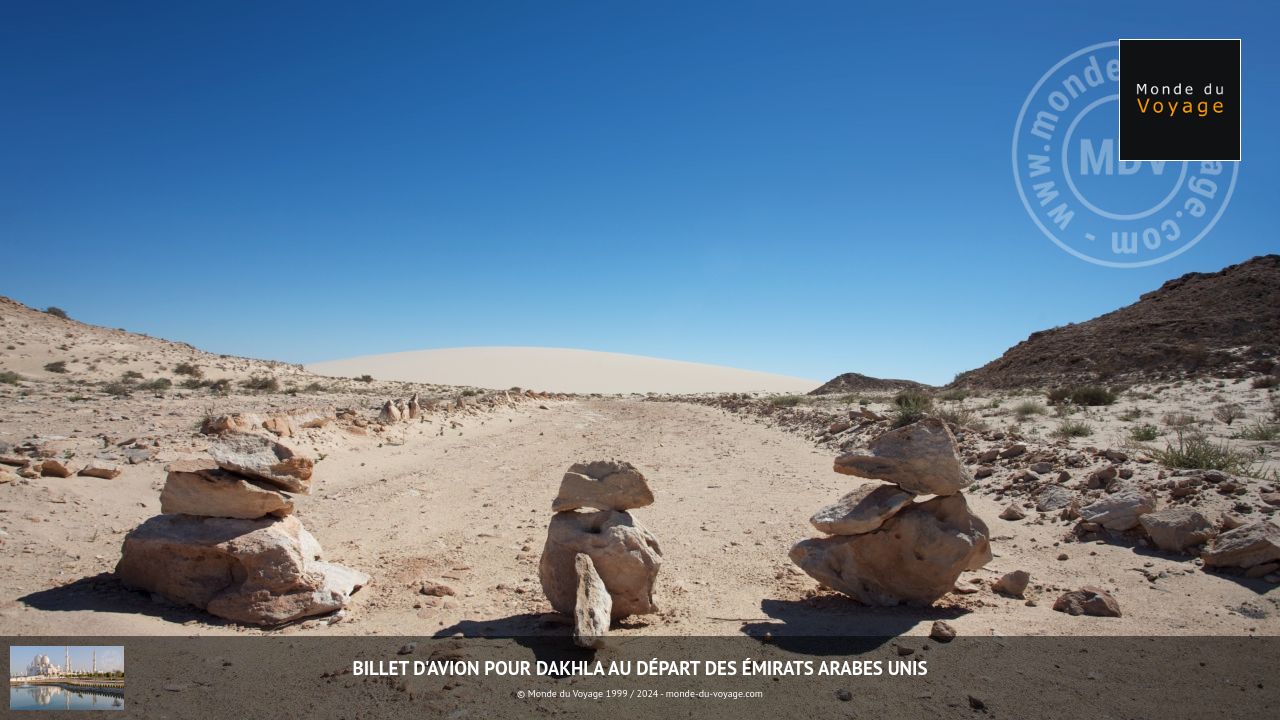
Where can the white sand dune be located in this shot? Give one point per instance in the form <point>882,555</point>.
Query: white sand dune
<point>559,370</point>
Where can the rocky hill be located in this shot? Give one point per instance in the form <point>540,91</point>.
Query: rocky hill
<point>1223,324</point>
<point>857,382</point>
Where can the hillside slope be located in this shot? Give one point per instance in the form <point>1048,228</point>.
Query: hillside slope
<point>1225,323</point>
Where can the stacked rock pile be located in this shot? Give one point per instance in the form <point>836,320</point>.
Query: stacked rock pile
<point>599,563</point>
<point>886,546</point>
<point>228,542</point>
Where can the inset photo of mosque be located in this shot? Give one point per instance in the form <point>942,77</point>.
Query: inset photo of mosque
<point>67,677</point>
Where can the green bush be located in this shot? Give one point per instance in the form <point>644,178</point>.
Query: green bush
<point>1057,396</point>
<point>261,383</point>
<point>1073,429</point>
<point>1194,451</point>
<point>9,377</point>
<point>1092,395</point>
<point>57,312</point>
<point>58,366</point>
<point>786,400</point>
<point>954,394</point>
<point>188,369</point>
<point>911,406</point>
<point>1027,408</point>
<point>1261,430</point>
<point>1145,432</point>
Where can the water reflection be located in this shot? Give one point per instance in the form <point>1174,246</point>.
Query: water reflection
<point>57,697</point>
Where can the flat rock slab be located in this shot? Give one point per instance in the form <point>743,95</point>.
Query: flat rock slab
<point>914,558</point>
<point>625,555</point>
<point>256,572</point>
<point>1257,543</point>
<point>861,511</point>
<point>602,485</point>
<point>1119,511</point>
<point>200,487</point>
<point>261,457</point>
<point>593,606</point>
<point>1178,528</point>
<point>103,470</point>
<point>919,458</point>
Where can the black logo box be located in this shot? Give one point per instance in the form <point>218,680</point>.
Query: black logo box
<point>1187,68</point>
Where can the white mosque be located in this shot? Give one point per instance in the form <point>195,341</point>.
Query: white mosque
<point>42,665</point>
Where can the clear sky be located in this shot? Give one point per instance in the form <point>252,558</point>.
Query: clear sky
<point>803,188</point>
<point>110,657</point>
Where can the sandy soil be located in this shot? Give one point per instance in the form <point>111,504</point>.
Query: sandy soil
<point>560,370</point>
<point>469,508</point>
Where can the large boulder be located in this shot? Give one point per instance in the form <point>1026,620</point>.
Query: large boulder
<point>603,485</point>
<point>1088,600</point>
<point>261,457</point>
<point>258,572</point>
<point>593,606</point>
<point>1119,511</point>
<point>200,487</point>
<point>862,510</point>
<point>1177,528</point>
<point>1257,543</point>
<point>915,557</point>
<point>625,555</point>
<point>919,458</point>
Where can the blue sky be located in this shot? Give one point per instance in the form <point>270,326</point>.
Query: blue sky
<point>110,657</point>
<point>802,188</point>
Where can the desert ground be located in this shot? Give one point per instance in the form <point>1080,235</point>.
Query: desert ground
<point>461,497</point>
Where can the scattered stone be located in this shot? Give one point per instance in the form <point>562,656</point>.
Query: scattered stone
<point>260,457</point>
<point>1013,512</point>
<point>1013,451</point>
<point>861,511</point>
<point>593,607</point>
<point>1041,467</point>
<point>1177,528</point>
<point>914,558</point>
<point>1013,583</point>
<point>100,469</point>
<point>1052,497</point>
<point>258,572</point>
<point>278,425</point>
<point>603,485</point>
<point>1244,547</point>
<point>942,631</point>
<point>53,467</point>
<point>919,458</point>
<point>625,555</point>
<point>200,487</point>
<point>1120,510</point>
<point>1088,600</point>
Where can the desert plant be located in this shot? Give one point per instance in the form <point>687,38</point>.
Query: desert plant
<point>780,401</point>
<point>188,369</point>
<point>261,383</point>
<point>1072,429</point>
<point>961,416</point>
<point>57,312</point>
<point>1260,430</point>
<point>1092,395</point>
<point>365,378</point>
<point>1228,413</point>
<point>315,387</point>
<point>911,406</point>
<point>158,385</point>
<point>221,386</point>
<point>1265,382</point>
<point>1195,451</point>
<point>116,388</point>
<point>1178,420</point>
<point>58,366</point>
<point>131,375</point>
<point>1145,432</point>
<point>954,394</point>
<point>1027,408</point>
<point>1058,396</point>
<point>1131,414</point>
<point>9,377</point>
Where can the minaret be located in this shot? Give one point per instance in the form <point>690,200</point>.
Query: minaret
<point>66,660</point>
<point>95,662</point>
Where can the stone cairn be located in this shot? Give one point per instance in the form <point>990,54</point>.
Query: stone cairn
<point>599,563</point>
<point>228,542</point>
<point>885,547</point>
